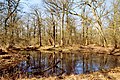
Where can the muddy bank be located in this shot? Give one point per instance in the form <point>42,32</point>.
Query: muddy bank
<point>82,49</point>
<point>71,49</point>
<point>9,59</point>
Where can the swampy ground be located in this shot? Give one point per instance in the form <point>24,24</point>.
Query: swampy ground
<point>9,59</point>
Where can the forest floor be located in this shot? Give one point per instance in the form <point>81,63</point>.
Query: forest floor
<point>9,59</point>
<point>82,49</point>
<point>111,74</point>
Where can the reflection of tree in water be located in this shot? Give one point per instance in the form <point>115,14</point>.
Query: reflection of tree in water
<point>24,67</point>
<point>44,64</point>
<point>114,61</point>
<point>102,62</point>
<point>69,62</point>
<point>85,63</point>
<point>28,66</point>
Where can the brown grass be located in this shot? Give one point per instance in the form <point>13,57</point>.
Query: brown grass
<point>112,74</point>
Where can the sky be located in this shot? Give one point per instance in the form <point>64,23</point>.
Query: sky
<point>31,2</point>
<point>28,3</point>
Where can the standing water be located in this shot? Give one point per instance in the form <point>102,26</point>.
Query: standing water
<point>55,64</point>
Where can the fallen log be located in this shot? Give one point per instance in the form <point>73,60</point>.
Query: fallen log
<point>2,52</point>
<point>6,57</point>
<point>29,48</point>
<point>52,66</point>
<point>115,51</point>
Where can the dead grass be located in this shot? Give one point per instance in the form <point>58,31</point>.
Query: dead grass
<point>10,60</point>
<point>112,74</point>
<point>79,48</point>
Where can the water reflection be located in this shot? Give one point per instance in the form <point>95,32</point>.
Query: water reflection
<point>52,64</point>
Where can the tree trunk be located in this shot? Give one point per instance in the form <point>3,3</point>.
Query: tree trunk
<point>100,29</point>
<point>62,30</point>
<point>54,34</point>
<point>53,23</point>
<point>40,36</point>
<point>83,34</point>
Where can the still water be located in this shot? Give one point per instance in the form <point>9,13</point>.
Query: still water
<point>55,64</point>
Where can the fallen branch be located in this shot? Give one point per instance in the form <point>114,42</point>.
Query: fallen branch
<point>51,67</point>
<point>63,71</point>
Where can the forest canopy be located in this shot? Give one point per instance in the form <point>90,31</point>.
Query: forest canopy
<point>60,22</point>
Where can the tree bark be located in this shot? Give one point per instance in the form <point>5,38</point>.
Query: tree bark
<point>62,27</point>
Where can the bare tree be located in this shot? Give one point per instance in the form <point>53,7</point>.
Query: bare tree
<point>39,22</point>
